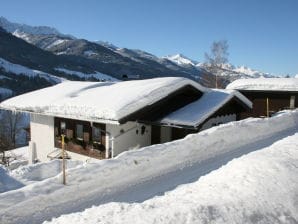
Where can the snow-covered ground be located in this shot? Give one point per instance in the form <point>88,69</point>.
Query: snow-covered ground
<point>138,175</point>
<point>260,187</point>
<point>12,178</point>
<point>18,157</point>
<point>22,70</point>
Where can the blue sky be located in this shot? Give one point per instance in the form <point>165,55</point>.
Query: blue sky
<point>262,34</point>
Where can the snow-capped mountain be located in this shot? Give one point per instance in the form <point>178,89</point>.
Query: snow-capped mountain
<point>42,36</point>
<point>225,70</point>
<point>120,62</point>
<point>181,60</point>
<point>246,72</point>
<point>36,30</point>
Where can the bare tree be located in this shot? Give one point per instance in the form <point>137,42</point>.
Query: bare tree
<point>5,145</point>
<point>10,127</point>
<point>217,57</point>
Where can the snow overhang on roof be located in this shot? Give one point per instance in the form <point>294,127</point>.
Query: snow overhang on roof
<point>265,84</point>
<point>105,101</point>
<point>194,114</point>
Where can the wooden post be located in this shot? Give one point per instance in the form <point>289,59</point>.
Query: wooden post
<point>267,106</point>
<point>216,81</point>
<point>63,160</point>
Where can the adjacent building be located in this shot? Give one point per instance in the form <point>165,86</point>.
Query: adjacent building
<point>268,95</point>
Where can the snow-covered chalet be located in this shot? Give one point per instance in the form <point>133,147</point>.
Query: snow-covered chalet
<point>103,119</point>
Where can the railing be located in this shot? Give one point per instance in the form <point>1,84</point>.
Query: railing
<point>86,149</point>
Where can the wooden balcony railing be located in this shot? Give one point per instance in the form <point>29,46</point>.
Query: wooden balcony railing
<point>90,149</point>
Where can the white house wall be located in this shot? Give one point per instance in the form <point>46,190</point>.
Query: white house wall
<point>218,120</point>
<point>127,136</point>
<point>42,137</point>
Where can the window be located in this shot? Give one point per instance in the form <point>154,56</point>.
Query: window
<point>96,134</point>
<point>79,131</point>
<point>81,137</point>
<point>63,127</point>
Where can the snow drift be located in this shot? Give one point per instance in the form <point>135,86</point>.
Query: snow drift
<point>261,187</point>
<point>38,201</point>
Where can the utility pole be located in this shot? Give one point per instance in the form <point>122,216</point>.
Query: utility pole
<point>216,87</point>
<point>267,106</point>
<point>63,159</point>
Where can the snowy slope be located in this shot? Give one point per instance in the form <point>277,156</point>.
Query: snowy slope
<point>42,41</point>
<point>22,70</point>
<point>141,174</point>
<point>98,76</point>
<point>22,35</point>
<point>260,187</point>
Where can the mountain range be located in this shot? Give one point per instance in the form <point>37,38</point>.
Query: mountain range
<point>47,50</point>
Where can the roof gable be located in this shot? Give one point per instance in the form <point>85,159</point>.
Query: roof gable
<point>196,113</point>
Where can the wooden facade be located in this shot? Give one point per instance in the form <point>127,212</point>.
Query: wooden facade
<point>277,101</point>
<point>81,137</point>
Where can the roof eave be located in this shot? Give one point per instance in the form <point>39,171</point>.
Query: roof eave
<point>93,119</point>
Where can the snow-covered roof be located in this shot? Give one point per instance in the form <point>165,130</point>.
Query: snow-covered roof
<point>98,100</point>
<point>265,84</point>
<point>197,112</point>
